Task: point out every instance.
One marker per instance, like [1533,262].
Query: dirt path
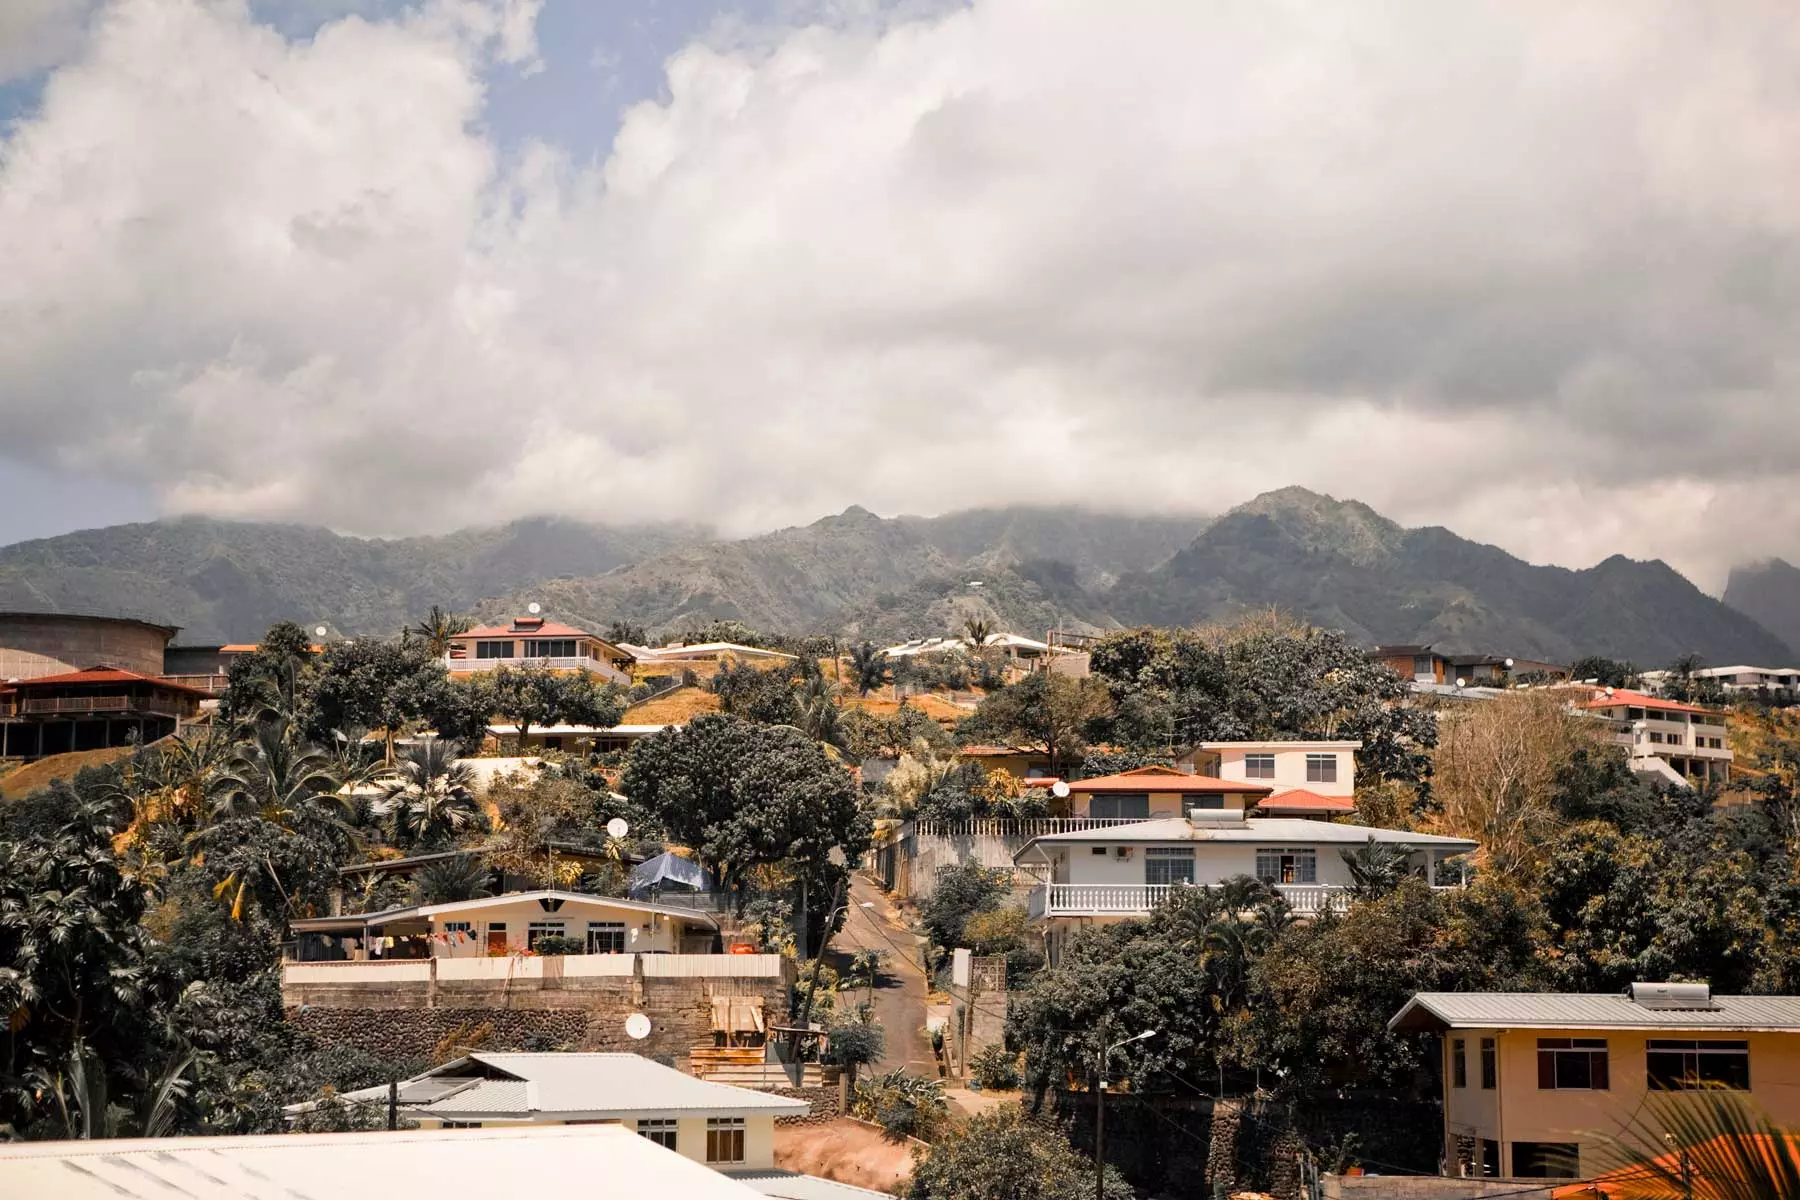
[900,996]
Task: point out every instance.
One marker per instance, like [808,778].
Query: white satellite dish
[1509,663]
[637,1027]
[319,632]
[1060,789]
[1461,682]
[534,608]
[618,827]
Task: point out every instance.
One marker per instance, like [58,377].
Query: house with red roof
[533,641]
[1680,742]
[92,709]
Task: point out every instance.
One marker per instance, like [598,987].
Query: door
[496,938]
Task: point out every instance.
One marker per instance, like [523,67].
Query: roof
[580,730]
[1625,697]
[1584,1010]
[170,630]
[530,627]
[1284,744]
[108,675]
[583,1086]
[426,911]
[1166,779]
[1265,830]
[985,750]
[791,1185]
[1301,800]
[424,1164]
[701,650]
[1396,651]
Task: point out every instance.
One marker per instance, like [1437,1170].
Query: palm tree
[1706,1145]
[870,667]
[431,796]
[438,627]
[977,631]
[819,712]
[464,877]
[1376,868]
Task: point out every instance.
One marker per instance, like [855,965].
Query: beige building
[1683,743]
[1535,1084]
[533,641]
[33,645]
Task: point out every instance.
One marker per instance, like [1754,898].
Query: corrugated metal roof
[790,1185]
[1581,1010]
[568,1085]
[493,1096]
[408,1165]
[1255,829]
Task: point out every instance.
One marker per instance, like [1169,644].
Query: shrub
[557,944]
[903,1105]
[994,1066]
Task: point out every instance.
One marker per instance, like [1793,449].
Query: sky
[1529,269]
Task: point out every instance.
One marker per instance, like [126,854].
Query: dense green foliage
[1002,1156]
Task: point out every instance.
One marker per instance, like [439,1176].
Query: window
[493,649]
[1572,1064]
[1459,1064]
[1287,866]
[1206,803]
[1099,850]
[462,1125]
[1679,1065]
[1321,768]
[496,937]
[1546,1160]
[1259,766]
[543,929]
[1489,1065]
[1136,807]
[606,937]
[550,648]
[1168,864]
[1422,667]
[1656,736]
[1634,714]
[660,1132]
[1675,739]
[724,1139]
[457,933]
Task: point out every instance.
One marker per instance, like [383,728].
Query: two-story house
[1113,872]
[94,709]
[534,641]
[1304,778]
[1535,1083]
[1683,743]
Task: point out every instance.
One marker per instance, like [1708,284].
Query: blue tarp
[668,870]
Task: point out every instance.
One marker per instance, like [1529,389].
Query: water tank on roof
[1672,997]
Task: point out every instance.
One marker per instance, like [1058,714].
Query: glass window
[1459,1064]
[1422,665]
[550,648]
[660,1132]
[1259,766]
[1321,768]
[1287,866]
[1206,803]
[606,937]
[493,649]
[462,1125]
[1129,806]
[1489,1064]
[725,1139]
[1168,864]
[1572,1064]
[1546,1160]
[543,929]
[1679,1065]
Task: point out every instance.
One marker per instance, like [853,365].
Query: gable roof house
[536,642]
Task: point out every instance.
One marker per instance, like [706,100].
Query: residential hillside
[1769,593]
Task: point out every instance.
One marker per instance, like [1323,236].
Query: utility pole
[1100,1103]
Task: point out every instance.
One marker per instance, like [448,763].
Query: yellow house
[1536,1083]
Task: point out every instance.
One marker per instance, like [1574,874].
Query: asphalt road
[900,994]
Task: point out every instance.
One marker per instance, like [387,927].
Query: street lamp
[1100,1109]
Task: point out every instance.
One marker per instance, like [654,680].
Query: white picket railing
[1136,899]
[1021,828]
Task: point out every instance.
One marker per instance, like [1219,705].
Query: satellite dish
[1060,789]
[534,608]
[637,1027]
[1461,682]
[618,827]
[1509,663]
[1609,691]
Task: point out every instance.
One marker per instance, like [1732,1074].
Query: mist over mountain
[1337,563]
[1769,593]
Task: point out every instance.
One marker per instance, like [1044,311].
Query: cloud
[37,34]
[1527,268]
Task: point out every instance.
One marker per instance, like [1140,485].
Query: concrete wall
[34,646]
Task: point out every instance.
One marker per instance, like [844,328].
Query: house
[1025,762]
[94,709]
[1534,1081]
[418,1164]
[507,924]
[1012,649]
[1110,873]
[534,641]
[1682,743]
[1740,680]
[677,652]
[1424,665]
[1310,778]
[601,739]
[1146,792]
[712,1123]
[1421,664]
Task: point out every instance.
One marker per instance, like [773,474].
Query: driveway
[900,994]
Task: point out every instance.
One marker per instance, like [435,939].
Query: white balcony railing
[599,667]
[1137,899]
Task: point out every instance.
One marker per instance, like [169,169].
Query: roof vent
[1673,997]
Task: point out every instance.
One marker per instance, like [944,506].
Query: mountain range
[1336,563]
[1769,591]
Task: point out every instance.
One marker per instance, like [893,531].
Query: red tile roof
[986,751]
[1624,697]
[1166,779]
[104,674]
[533,628]
[1301,800]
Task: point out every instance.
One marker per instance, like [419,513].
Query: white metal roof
[580,730]
[1583,1010]
[574,1086]
[1263,830]
[452,907]
[499,1164]
[1319,744]
[791,1185]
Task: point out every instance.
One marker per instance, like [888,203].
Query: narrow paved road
[900,996]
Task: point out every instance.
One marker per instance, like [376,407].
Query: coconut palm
[1706,1145]
[1376,868]
[464,877]
[280,778]
[977,631]
[870,667]
[819,715]
[431,796]
[437,627]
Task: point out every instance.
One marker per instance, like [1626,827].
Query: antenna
[618,827]
[321,631]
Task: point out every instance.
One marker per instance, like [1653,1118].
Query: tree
[1684,683]
[538,696]
[869,667]
[431,796]
[437,628]
[757,693]
[1714,1145]
[1002,1154]
[976,632]
[1604,672]
[740,794]
[370,684]
[535,813]
[623,633]
[1376,868]
[961,892]
[463,877]
[1048,709]
[268,680]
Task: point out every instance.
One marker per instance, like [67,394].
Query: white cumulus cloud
[1525,268]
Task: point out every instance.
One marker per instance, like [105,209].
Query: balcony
[82,706]
[1137,899]
[460,666]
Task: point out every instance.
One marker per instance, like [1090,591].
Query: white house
[1738,680]
[1683,743]
[535,642]
[1110,873]
[712,1123]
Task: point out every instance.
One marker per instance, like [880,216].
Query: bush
[855,1044]
[995,1066]
[1002,1154]
[961,892]
[556,944]
[903,1105]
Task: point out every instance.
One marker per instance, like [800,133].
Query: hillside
[1340,564]
[1768,593]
